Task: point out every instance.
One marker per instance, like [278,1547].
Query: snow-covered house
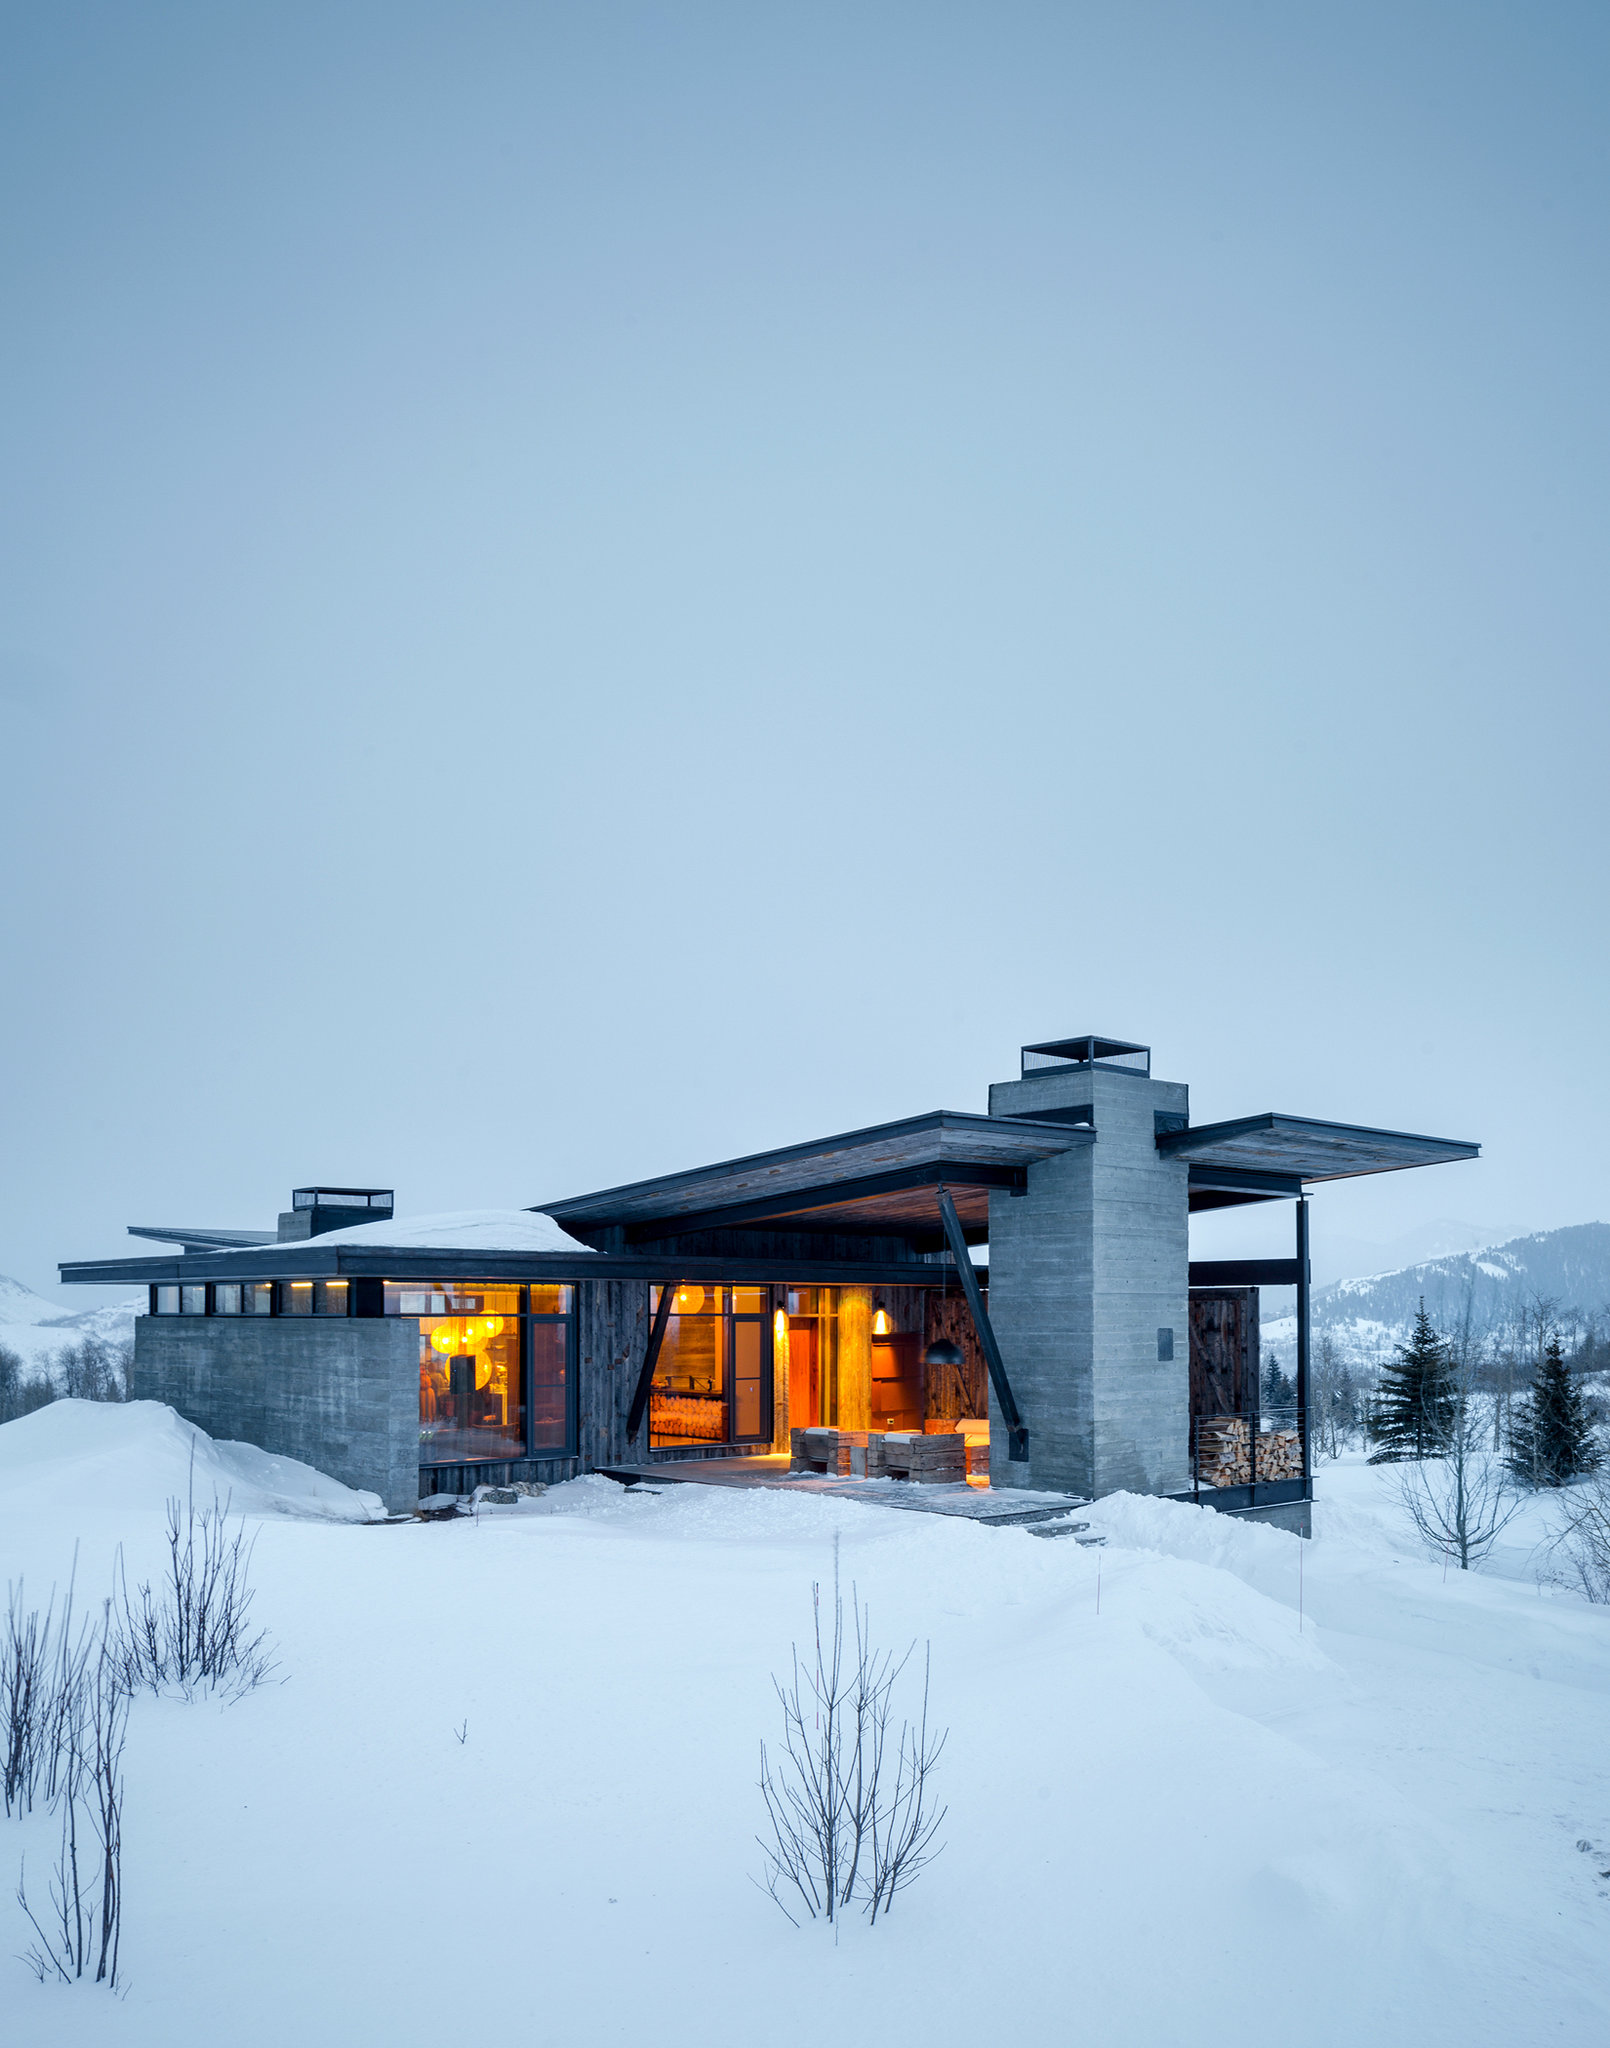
[1022,1278]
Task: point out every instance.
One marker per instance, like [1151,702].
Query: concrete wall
[341,1393]
[1085,1270]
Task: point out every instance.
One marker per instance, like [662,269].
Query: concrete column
[1089,1279]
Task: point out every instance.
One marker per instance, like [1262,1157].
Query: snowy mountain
[36,1329]
[1568,1267]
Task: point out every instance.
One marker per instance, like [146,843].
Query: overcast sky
[589,588]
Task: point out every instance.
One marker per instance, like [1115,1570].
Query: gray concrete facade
[1088,1269]
[338,1392]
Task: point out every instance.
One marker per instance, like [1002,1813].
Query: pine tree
[1277,1390]
[1550,1440]
[1415,1404]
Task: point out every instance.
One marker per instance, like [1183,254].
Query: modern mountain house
[1020,1279]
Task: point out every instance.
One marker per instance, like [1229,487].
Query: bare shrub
[1579,1554]
[81,1931]
[42,1669]
[1460,1501]
[193,1632]
[851,1810]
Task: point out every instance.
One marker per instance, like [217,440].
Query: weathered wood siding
[612,1326]
[953,1391]
[854,1403]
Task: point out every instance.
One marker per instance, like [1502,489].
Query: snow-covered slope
[36,1329]
[1209,1780]
[1368,1316]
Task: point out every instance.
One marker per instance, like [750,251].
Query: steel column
[651,1358]
[1303,1278]
[1017,1437]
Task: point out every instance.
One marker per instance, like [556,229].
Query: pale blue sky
[586,588]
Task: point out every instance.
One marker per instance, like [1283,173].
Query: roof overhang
[305,1261]
[202,1240]
[1273,1157]
[879,1182]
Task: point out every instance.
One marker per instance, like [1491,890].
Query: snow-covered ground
[1190,1814]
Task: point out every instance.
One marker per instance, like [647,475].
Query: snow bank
[136,1456]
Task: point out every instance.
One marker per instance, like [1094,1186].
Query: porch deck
[966,1503]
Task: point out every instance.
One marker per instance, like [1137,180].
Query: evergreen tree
[1550,1439]
[1277,1390]
[1415,1404]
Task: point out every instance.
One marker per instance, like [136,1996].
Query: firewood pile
[878,1454]
[1280,1454]
[1224,1452]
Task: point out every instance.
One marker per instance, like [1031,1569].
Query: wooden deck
[1013,1510]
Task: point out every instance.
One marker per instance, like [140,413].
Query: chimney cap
[1090,1049]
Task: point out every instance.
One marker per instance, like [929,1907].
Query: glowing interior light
[462,1336]
[881,1325]
[689,1300]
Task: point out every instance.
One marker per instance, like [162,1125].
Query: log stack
[1280,1454]
[1224,1452]
[1224,1445]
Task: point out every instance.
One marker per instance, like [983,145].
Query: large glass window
[712,1381]
[296,1297]
[226,1298]
[810,1322]
[193,1301]
[164,1301]
[494,1368]
[329,1297]
[259,1298]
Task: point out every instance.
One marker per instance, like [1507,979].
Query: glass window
[192,1301]
[712,1378]
[226,1298]
[329,1297]
[811,1331]
[258,1298]
[550,1386]
[494,1381]
[453,1297]
[688,1404]
[296,1297]
[747,1335]
[167,1301]
[471,1403]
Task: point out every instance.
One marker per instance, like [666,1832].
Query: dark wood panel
[1223,1323]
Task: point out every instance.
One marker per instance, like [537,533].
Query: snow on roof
[466,1230]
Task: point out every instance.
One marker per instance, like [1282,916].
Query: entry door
[896,1382]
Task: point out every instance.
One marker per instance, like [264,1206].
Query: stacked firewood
[1280,1454]
[1224,1452]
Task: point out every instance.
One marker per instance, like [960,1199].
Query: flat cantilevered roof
[879,1181]
[1302,1148]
